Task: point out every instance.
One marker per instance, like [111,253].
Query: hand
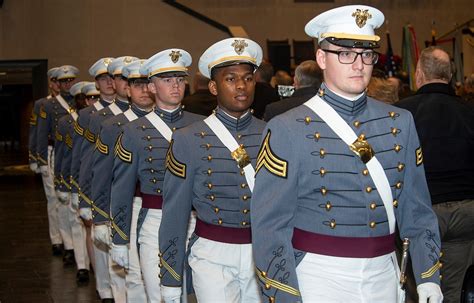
[429,291]
[75,200]
[85,213]
[102,234]
[34,167]
[119,255]
[44,170]
[171,294]
[63,197]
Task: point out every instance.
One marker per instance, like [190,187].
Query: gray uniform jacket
[140,157]
[87,149]
[50,113]
[32,156]
[308,180]
[78,138]
[202,174]
[103,162]
[63,153]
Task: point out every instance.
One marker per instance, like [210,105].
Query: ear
[152,87]
[212,85]
[321,59]
[419,76]
[127,89]
[97,85]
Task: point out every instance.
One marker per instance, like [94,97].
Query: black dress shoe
[68,258]
[57,249]
[82,276]
[108,300]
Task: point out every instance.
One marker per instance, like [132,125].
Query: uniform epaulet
[101,147]
[33,119]
[78,129]
[58,136]
[68,141]
[121,152]
[89,136]
[267,158]
[174,166]
[42,113]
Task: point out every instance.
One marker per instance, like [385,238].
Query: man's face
[348,80]
[169,92]
[120,85]
[104,84]
[80,101]
[54,86]
[139,94]
[234,87]
[65,84]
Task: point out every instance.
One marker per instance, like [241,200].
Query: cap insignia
[127,60]
[65,69]
[361,17]
[175,56]
[239,46]
[107,61]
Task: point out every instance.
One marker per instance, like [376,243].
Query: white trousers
[326,279]
[117,281]
[64,211]
[102,275]
[52,206]
[223,272]
[79,239]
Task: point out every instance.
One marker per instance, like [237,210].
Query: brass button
[365,172]
[161,115]
[271,299]
[243,185]
[322,171]
[160,265]
[244,223]
[317,136]
[152,170]
[440,265]
[118,123]
[440,277]
[202,134]
[239,136]
[173,129]
[150,147]
[242,172]
[212,197]
[267,286]
[160,276]
[324,191]
[209,185]
[356,123]
[399,185]
[373,205]
[400,166]
[219,221]
[395,203]
[397,148]
[148,138]
[150,159]
[209,158]
[208,146]
[209,171]
[154,180]
[332,224]
[104,114]
[441,254]
[246,211]
[394,131]
[158,190]
[392,114]
[372,224]
[160,255]
[328,206]
[362,136]
[322,153]
[307,120]
[264,274]
[216,210]
[368,189]
[245,197]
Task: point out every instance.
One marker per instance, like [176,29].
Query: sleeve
[177,203]
[67,157]
[58,153]
[416,218]
[124,180]
[77,139]
[32,132]
[42,133]
[274,203]
[102,165]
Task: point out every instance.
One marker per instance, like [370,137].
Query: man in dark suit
[201,102]
[306,81]
[264,92]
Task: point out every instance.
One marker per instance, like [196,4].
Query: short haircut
[434,66]
[308,73]
[266,71]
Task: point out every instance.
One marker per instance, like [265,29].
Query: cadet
[103,161]
[48,184]
[140,156]
[334,175]
[209,168]
[50,114]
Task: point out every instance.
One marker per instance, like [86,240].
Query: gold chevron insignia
[419,156]
[120,232]
[101,147]
[33,119]
[267,158]
[43,114]
[174,166]
[274,283]
[430,272]
[58,136]
[121,152]
[90,136]
[68,141]
[78,129]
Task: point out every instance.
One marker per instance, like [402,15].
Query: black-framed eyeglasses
[66,80]
[349,57]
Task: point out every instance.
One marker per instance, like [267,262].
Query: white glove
[75,200]
[119,255]
[63,197]
[85,213]
[44,170]
[34,167]
[171,294]
[102,234]
[431,291]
